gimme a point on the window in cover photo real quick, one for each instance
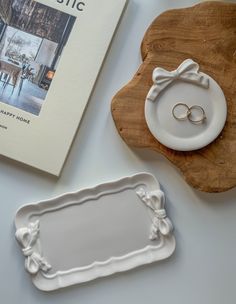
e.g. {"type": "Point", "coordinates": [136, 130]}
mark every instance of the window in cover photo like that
{"type": "Point", "coordinates": [32, 39]}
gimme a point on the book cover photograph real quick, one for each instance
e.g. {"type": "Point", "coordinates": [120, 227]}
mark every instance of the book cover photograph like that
{"type": "Point", "coordinates": [31, 47]}
{"type": "Point", "coordinates": [49, 49]}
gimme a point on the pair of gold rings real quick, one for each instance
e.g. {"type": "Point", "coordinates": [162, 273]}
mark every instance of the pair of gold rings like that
{"type": "Point", "coordinates": [195, 114]}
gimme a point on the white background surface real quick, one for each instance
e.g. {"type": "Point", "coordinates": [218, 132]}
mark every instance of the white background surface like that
{"type": "Point", "coordinates": [203, 268]}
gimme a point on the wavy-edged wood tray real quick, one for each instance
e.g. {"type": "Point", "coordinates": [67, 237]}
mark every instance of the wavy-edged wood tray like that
{"type": "Point", "coordinates": [206, 33]}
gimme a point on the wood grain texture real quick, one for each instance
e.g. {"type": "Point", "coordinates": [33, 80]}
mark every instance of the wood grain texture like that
{"type": "Point", "coordinates": [205, 33]}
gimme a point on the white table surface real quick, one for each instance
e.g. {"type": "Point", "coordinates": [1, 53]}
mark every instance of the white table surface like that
{"type": "Point", "coordinates": [203, 268]}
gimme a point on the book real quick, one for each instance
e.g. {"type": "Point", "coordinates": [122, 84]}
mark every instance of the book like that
{"type": "Point", "coordinates": [51, 52]}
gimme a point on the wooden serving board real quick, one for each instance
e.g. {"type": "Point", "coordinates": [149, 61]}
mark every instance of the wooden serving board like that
{"type": "Point", "coordinates": [205, 33]}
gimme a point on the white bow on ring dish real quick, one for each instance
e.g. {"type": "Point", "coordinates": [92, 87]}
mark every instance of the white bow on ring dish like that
{"type": "Point", "coordinates": [187, 71]}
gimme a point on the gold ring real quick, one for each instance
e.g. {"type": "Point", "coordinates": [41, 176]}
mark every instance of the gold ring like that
{"type": "Point", "coordinates": [182, 116]}
{"type": "Point", "coordinates": [200, 116]}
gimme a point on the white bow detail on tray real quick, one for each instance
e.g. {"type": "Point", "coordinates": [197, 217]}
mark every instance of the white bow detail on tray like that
{"type": "Point", "coordinates": [188, 71]}
{"type": "Point", "coordinates": [27, 238]}
{"type": "Point", "coordinates": [155, 201]}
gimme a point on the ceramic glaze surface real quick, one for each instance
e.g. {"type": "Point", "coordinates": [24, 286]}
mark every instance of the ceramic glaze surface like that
{"type": "Point", "coordinates": [188, 86]}
{"type": "Point", "coordinates": [127, 227]}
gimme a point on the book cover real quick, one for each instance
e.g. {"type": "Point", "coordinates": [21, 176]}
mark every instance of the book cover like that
{"type": "Point", "coordinates": [51, 52]}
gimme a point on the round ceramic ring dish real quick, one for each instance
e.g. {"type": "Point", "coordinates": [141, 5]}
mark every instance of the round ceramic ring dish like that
{"type": "Point", "coordinates": [186, 135]}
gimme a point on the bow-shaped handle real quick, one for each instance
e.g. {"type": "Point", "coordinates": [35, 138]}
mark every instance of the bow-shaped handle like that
{"type": "Point", "coordinates": [27, 238]}
{"type": "Point", "coordinates": [161, 223]}
{"type": "Point", "coordinates": [188, 71]}
{"type": "Point", "coordinates": [155, 200]}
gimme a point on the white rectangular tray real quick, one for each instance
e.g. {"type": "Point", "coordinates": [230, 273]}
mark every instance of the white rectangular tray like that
{"type": "Point", "coordinates": [95, 232]}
